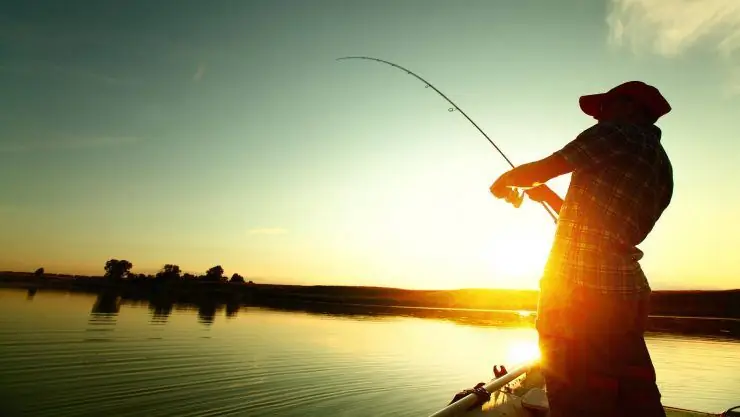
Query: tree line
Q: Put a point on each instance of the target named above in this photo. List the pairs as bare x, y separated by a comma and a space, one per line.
120, 269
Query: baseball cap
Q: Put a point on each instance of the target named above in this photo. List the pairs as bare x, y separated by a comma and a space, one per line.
646, 94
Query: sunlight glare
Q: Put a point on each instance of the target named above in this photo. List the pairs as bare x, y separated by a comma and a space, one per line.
523, 351
520, 256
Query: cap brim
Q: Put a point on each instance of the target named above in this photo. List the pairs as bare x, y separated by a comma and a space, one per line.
591, 104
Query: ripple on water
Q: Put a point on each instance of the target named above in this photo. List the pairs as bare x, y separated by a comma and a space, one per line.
271, 363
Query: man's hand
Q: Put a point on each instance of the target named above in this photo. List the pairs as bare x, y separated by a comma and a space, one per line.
502, 187
540, 194
545, 194
531, 175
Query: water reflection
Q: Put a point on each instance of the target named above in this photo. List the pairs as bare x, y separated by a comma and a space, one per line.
485, 318
191, 358
207, 312
161, 307
31, 294
103, 317
161, 310
106, 305
232, 309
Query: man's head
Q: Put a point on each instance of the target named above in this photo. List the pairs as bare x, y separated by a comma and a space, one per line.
632, 102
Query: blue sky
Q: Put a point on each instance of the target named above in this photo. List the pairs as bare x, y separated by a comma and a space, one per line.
203, 133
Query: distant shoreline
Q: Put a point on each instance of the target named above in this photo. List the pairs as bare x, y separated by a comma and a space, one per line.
707, 312
685, 303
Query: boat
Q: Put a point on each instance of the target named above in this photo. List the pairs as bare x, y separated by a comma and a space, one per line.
521, 392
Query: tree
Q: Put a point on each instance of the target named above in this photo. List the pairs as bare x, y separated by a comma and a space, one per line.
39, 272
216, 273
137, 278
169, 272
172, 269
236, 278
117, 269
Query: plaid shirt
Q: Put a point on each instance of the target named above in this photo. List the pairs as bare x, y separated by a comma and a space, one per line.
621, 184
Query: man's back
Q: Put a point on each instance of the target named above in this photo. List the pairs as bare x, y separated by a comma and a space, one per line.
621, 184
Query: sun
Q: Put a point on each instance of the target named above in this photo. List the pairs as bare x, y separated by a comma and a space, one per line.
523, 351
519, 258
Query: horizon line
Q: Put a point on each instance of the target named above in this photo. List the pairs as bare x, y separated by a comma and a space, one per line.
382, 287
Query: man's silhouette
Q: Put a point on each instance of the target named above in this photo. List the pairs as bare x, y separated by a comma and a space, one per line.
593, 294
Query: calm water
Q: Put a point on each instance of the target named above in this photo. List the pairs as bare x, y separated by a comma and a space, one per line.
71, 355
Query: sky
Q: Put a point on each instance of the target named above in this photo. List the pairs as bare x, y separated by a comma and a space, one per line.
226, 132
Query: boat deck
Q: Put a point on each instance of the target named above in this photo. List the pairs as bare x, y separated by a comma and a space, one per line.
524, 396
508, 405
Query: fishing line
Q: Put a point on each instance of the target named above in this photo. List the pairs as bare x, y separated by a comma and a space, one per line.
454, 107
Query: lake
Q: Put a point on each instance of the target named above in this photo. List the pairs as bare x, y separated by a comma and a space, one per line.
71, 354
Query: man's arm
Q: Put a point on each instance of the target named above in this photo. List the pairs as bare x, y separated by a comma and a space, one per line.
539, 172
532, 174
545, 194
594, 146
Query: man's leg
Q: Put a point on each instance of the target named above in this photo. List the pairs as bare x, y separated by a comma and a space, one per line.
575, 384
638, 392
570, 363
613, 328
561, 362
594, 357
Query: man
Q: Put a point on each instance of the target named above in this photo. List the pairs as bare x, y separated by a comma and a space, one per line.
593, 294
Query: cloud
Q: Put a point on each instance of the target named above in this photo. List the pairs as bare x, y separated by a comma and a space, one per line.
200, 72
671, 27
66, 144
268, 231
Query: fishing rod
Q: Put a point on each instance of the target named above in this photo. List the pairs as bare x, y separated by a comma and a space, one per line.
454, 107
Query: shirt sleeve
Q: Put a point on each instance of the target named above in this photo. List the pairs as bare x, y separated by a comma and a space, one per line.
594, 146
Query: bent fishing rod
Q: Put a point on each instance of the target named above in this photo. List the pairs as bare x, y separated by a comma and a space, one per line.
427, 84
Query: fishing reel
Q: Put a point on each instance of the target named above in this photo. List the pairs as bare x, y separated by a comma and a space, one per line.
514, 197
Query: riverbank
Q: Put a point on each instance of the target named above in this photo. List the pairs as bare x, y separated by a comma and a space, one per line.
696, 312
725, 304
